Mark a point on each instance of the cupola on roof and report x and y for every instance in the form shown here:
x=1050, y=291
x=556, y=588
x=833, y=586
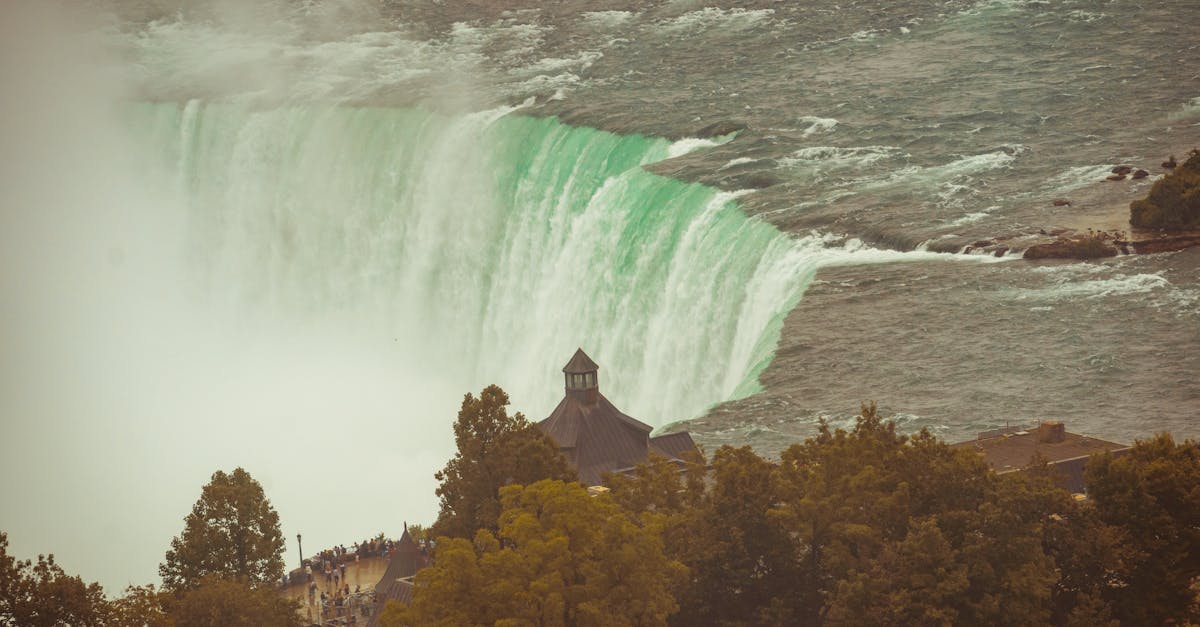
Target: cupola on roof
x=580, y=363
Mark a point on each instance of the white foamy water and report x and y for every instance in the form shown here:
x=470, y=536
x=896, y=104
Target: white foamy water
x=818, y=125
x=1076, y=177
x=715, y=17
x=1117, y=285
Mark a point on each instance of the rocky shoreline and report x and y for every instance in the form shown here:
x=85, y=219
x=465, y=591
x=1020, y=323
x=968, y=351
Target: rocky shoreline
x=1101, y=226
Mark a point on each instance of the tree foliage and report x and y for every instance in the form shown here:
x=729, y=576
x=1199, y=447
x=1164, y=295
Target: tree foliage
x=140, y=606
x=869, y=526
x=1153, y=494
x=494, y=450
x=232, y=532
x=218, y=601
x=561, y=557
x=1173, y=202
x=40, y=594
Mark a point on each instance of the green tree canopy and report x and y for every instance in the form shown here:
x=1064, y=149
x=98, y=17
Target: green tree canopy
x=38, y=594
x=561, y=557
x=494, y=450
x=232, y=532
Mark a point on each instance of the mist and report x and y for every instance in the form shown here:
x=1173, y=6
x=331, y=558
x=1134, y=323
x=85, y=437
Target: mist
x=129, y=378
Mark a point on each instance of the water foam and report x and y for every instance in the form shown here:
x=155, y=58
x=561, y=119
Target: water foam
x=1117, y=285
x=818, y=125
x=712, y=17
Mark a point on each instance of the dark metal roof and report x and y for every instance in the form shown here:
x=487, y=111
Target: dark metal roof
x=1015, y=448
x=580, y=363
x=400, y=590
x=673, y=445
x=1013, y=451
x=396, y=583
x=603, y=438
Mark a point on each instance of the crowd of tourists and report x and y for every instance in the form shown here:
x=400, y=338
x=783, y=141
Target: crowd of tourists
x=335, y=601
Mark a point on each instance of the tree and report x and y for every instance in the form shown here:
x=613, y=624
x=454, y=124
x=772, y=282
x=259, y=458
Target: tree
x=494, y=450
x=870, y=501
x=561, y=557
x=213, y=601
x=741, y=559
x=217, y=601
x=141, y=606
x=1173, y=202
x=232, y=532
x=41, y=594
x=1153, y=494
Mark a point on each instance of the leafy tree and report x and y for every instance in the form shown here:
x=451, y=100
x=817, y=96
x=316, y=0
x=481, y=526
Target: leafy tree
x=1173, y=202
x=657, y=485
x=218, y=601
x=494, y=450
x=232, y=532
x=741, y=559
x=561, y=557
x=141, y=606
x=868, y=501
x=41, y=594
x=914, y=582
x=1153, y=494
x=213, y=601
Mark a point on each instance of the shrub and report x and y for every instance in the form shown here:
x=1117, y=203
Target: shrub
x=1173, y=203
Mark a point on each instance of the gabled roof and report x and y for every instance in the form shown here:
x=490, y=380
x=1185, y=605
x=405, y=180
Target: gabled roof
x=580, y=363
x=603, y=438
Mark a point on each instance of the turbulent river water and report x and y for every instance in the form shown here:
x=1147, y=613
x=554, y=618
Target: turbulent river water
x=290, y=236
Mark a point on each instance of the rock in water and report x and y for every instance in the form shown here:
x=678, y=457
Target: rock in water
x=1140, y=174
x=1081, y=248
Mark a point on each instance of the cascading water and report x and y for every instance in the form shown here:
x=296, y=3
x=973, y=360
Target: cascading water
x=488, y=244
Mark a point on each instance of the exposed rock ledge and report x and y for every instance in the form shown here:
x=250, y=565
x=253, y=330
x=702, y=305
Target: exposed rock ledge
x=1100, y=244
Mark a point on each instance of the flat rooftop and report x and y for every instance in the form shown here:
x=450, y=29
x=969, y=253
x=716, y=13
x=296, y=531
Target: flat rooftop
x=1017, y=448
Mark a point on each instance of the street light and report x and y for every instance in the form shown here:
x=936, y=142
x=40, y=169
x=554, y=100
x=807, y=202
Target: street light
x=298, y=543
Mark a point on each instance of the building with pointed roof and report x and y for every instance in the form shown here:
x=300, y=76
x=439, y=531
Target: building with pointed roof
x=595, y=436
x=397, y=582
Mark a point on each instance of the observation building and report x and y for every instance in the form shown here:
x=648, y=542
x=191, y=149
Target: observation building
x=596, y=437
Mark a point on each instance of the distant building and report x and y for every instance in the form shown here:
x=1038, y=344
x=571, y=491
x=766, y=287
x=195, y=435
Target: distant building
x=1012, y=449
x=397, y=583
x=595, y=436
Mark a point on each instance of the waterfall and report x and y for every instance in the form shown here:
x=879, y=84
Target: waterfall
x=488, y=246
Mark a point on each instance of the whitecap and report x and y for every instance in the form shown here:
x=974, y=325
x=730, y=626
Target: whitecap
x=1190, y=109
x=1094, y=288
x=737, y=19
x=689, y=144
x=818, y=125
x=835, y=155
x=606, y=19
x=973, y=217
x=1076, y=177
x=736, y=162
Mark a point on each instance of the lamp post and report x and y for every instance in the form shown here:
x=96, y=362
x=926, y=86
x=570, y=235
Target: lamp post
x=301, y=545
